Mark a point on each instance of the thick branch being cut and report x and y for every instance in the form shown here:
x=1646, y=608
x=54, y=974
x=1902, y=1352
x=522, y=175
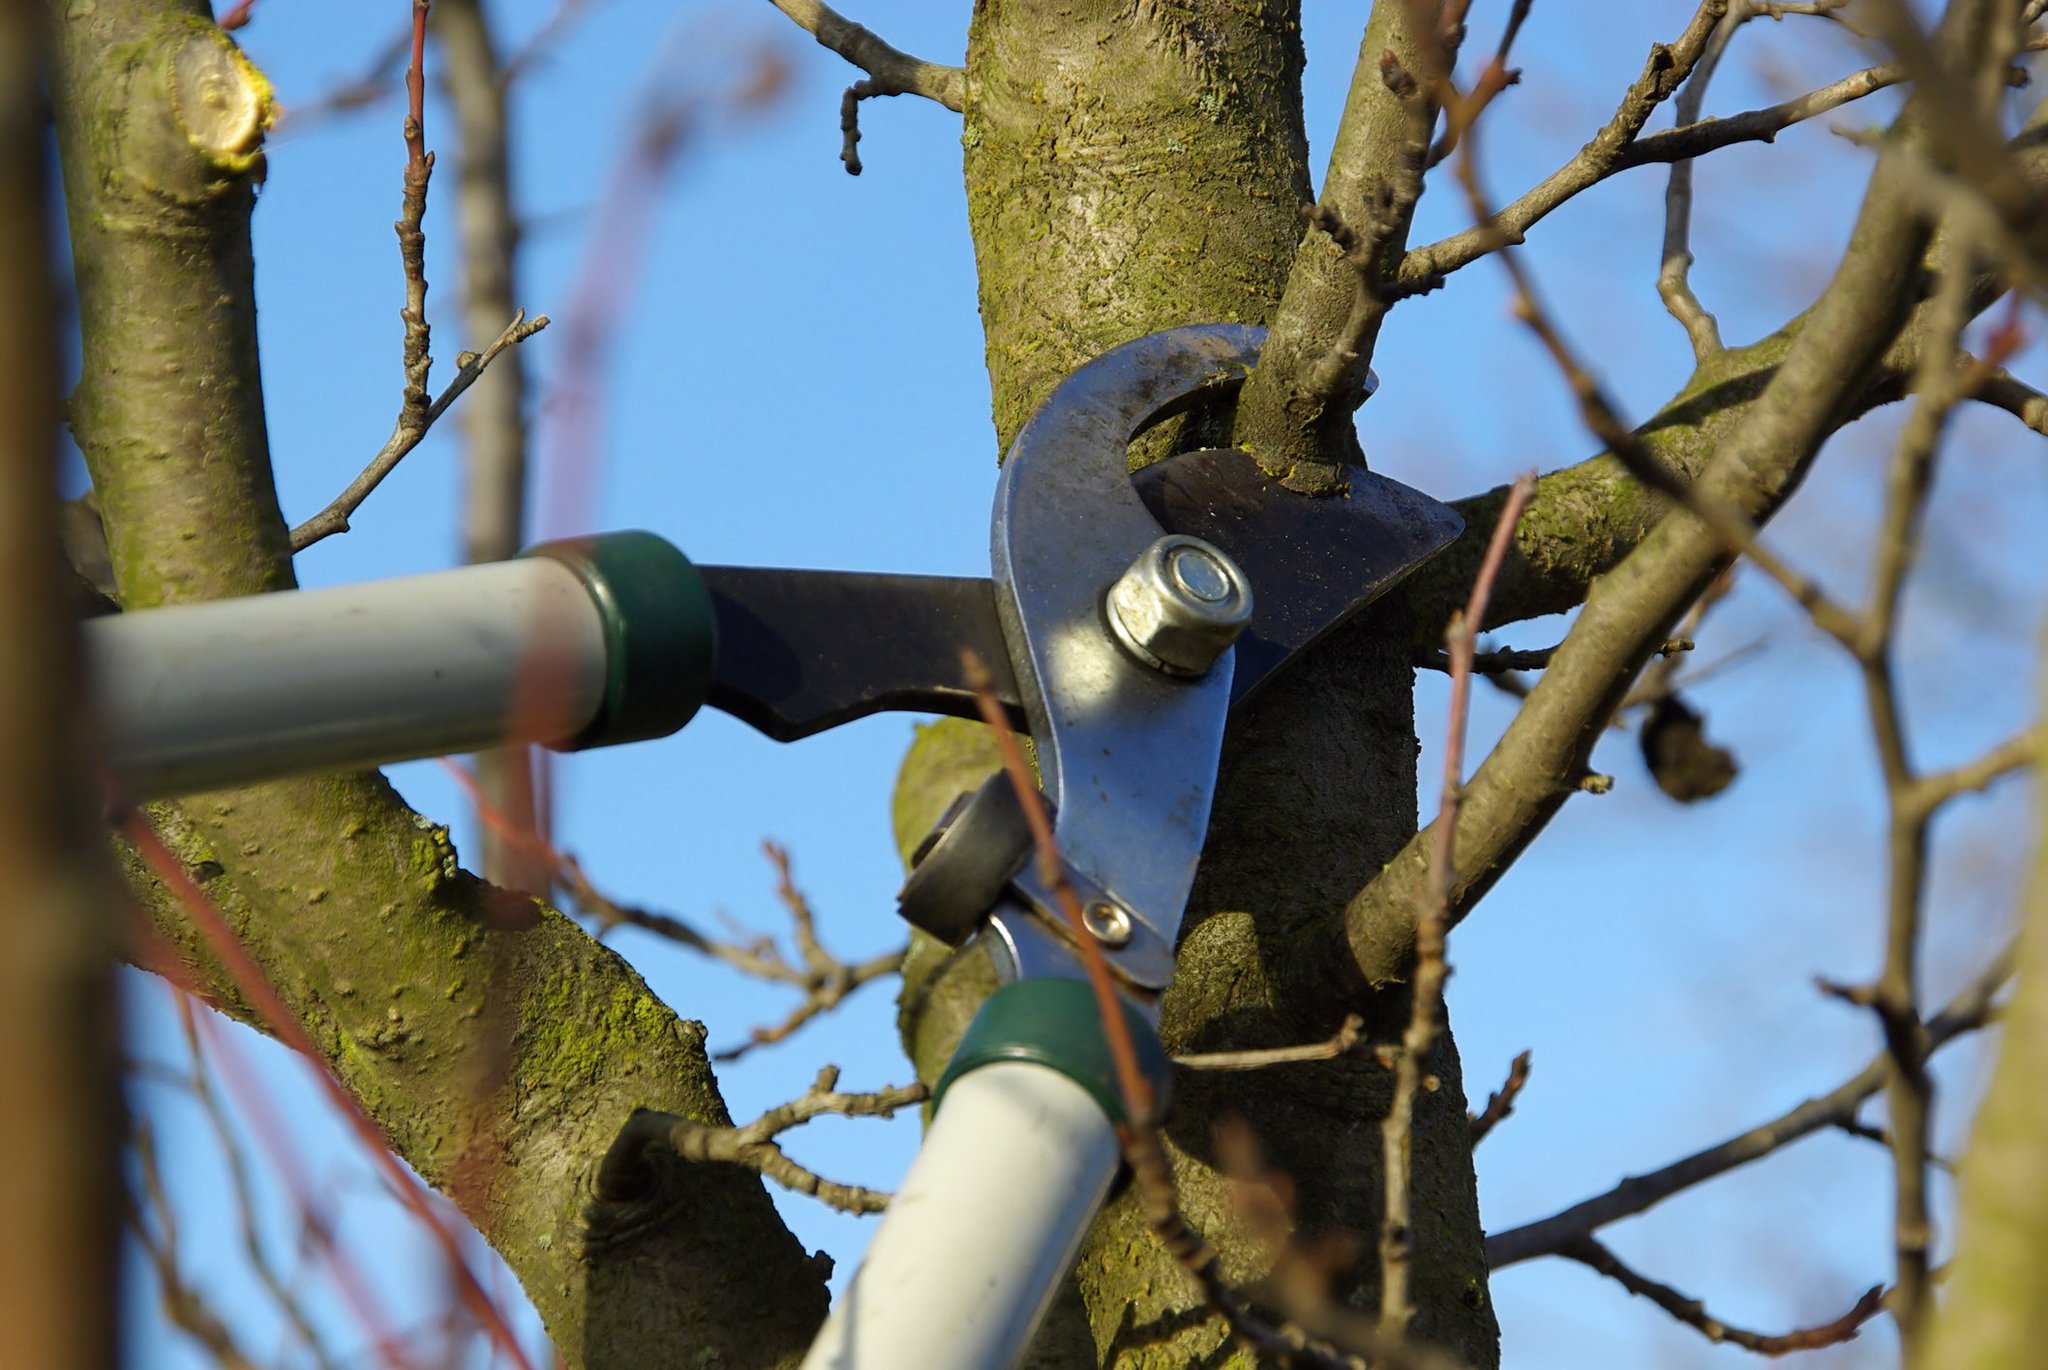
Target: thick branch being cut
x=1294, y=414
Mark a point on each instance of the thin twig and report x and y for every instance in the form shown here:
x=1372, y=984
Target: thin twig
x=1661, y=76
x=752, y=1145
x=412, y=238
x=826, y=981
x=1693, y=1314
x=889, y=71
x=1674, y=285
x=1432, y=926
x=404, y=437
x=229, y=1145
x=1500, y=1104
x=2016, y=753
x=2002, y=390
x=1342, y=1043
x=184, y=1306
x=1968, y=1011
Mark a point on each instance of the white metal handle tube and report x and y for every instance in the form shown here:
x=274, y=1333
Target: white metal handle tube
x=233, y=691
x=983, y=1229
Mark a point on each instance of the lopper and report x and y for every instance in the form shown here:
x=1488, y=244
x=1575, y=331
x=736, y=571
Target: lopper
x=1126, y=617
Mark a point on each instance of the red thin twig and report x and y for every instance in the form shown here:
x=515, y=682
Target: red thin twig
x=1136, y=1090
x=256, y=988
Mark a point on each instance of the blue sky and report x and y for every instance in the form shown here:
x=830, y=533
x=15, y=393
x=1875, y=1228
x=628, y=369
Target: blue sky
x=798, y=381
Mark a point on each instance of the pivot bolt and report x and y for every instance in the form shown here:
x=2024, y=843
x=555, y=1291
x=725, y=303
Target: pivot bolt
x=1180, y=605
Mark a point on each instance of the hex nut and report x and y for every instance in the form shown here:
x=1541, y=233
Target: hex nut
x=1180, y=605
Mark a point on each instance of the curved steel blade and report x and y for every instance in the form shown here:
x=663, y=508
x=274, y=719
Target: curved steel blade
x=1128, y=754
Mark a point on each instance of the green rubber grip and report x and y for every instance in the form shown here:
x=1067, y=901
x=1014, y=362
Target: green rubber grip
x=660, y=633
x=1056, y=1023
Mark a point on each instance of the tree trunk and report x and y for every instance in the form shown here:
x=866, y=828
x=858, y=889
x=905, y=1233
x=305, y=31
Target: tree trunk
x=1127, y=171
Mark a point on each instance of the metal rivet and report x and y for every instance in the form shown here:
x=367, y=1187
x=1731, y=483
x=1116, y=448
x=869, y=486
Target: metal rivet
x=1107, y=923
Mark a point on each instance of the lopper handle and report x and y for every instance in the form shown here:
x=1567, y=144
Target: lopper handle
x=984, y=1227
x=581, y=643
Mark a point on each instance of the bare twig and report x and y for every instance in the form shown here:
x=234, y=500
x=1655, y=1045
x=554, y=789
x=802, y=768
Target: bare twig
x=1432, y=927
x=1932, y=790
x=826, y=981
x=1496, y=77
x=157, y=1234
x=1697, y=138
x=1661, y=76
x=404, y=437
x=889, y=72
x=1343, y=1042
x=1693, y=1314
x=752, y=1145
x=417, y=411
x=2002, y=390
x=412, y=238
x=1500, y=1104
x=229, y=1146
x=1674, y=285
x=1968, y=1011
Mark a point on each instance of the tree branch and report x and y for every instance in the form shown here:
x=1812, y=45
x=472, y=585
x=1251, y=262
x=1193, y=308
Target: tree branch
x=1970, y=1010
x=889, y=71
x=406, y=435
x=1662, y=74
x=1588, y=1252
x=624, y=1176
x=1294, y=413
x=1500, y=1104
x=1632, y=609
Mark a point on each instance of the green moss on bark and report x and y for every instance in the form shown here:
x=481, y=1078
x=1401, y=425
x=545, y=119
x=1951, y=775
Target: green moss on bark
x=1126, y=172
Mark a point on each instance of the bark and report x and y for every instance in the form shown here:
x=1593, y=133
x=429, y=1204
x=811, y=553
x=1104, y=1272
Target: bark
x=61, y=1121
x=1295, y=429
x=1126, y=172
x=497, y=1045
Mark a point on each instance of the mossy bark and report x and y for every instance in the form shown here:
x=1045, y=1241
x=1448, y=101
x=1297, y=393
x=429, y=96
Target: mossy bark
x=1129, y=170
x=497, y=1046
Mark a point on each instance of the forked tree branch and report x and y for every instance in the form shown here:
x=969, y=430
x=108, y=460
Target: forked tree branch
x=624, y=1176
x=889, y=71
x=1970, y=1010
